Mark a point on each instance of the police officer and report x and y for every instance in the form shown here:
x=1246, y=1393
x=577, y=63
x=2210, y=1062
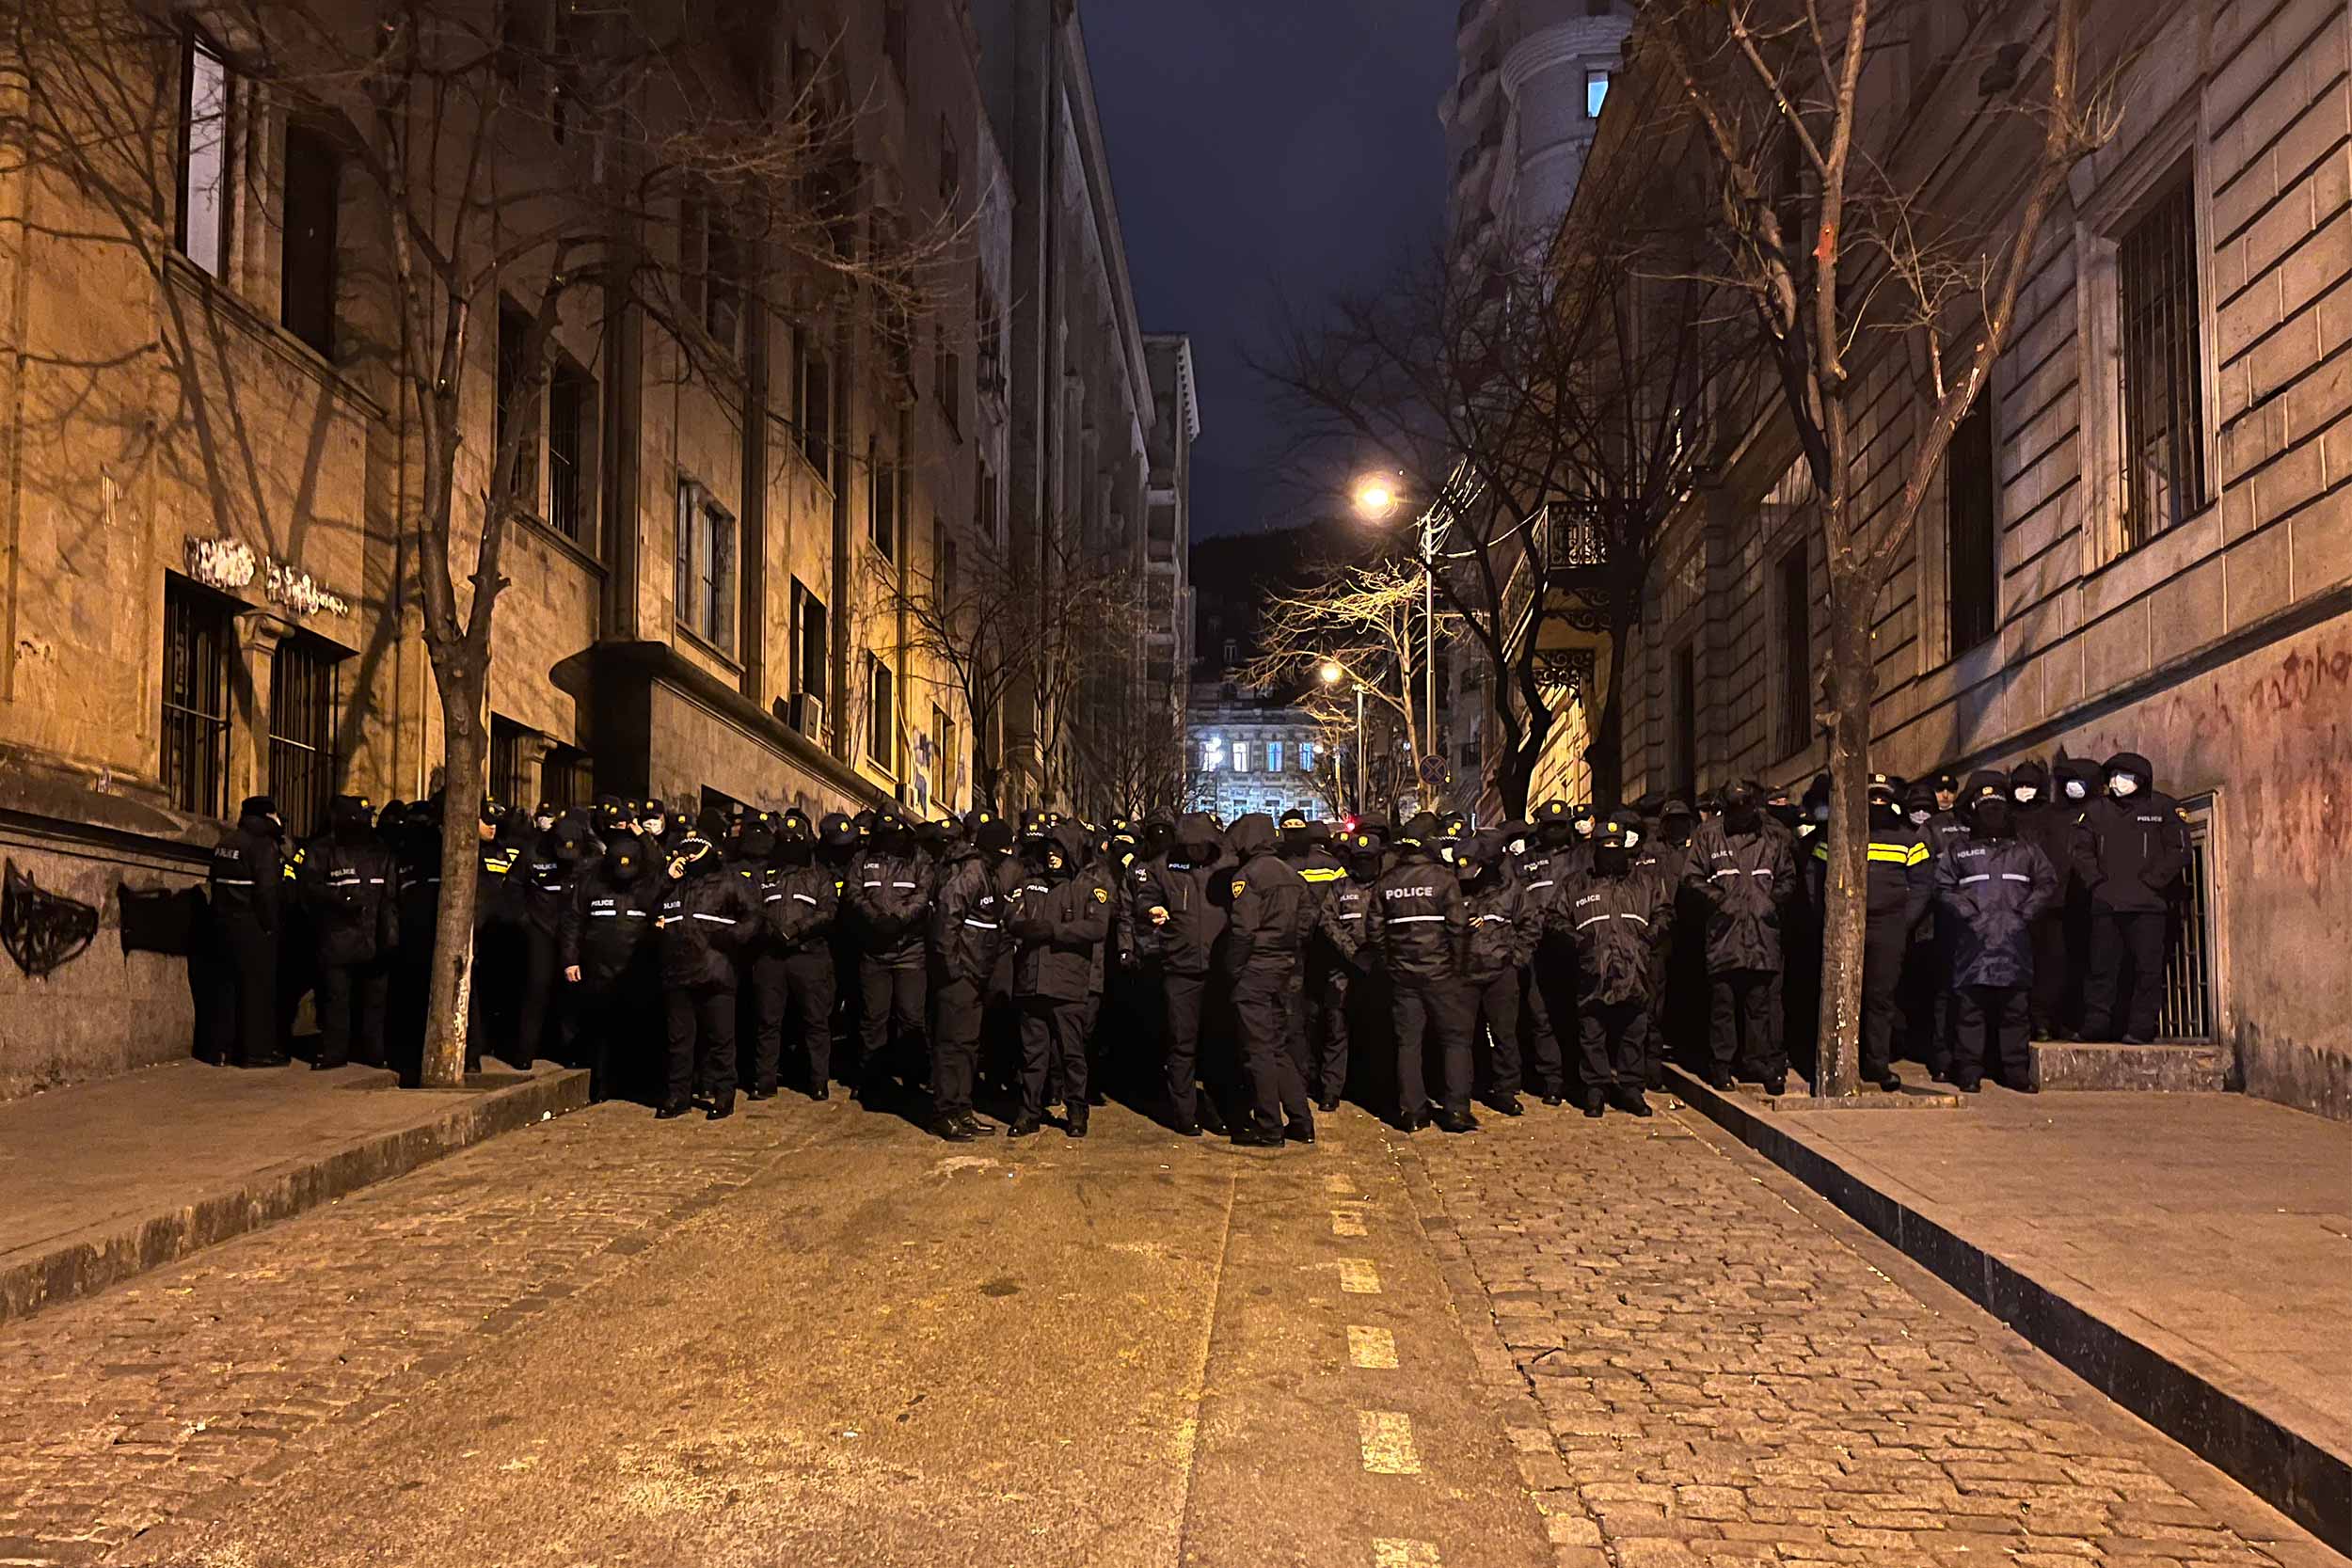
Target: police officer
x=1062, y=918
x=1744, y=873
x=1679, y=1005
x=1898, y=882
x=1415, y=928
x=352, y=886
x=889, y=901
x=1503, y=930
x=705, y=918
x=1271, y=911
x=1184, y=896
x=601, y=941
x=2129, y=848
x=2051, y=830
x=1306, y=847
x=1994, y=885
x=1339, y=934
x=761, y=988
x=1617, y=917
x=968, y=920
x=550, y=867
x=1553, y=854
x=496, y=984
x=246, y=883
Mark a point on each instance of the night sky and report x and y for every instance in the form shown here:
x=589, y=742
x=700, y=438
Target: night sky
x=1264, y=150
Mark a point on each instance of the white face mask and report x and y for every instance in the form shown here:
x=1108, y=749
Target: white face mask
x=1445, y=853
x=1919, y=818
x=2075, y=789
x=1633, y=839
x=1584, y=829
x=2123, y=785
x=1517, y=848
x=546, y=824
x=652, y=826
x=2026, y=794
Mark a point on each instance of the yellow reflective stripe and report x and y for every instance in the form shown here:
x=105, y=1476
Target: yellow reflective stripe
x=1322, y=873
x=1896, y=852
x=1918, y=854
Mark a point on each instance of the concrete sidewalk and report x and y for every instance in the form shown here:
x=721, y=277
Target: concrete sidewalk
x=2189, y=1254
x=103, y=1180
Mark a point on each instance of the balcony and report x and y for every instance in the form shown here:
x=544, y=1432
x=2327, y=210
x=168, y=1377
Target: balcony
x=1573, y=556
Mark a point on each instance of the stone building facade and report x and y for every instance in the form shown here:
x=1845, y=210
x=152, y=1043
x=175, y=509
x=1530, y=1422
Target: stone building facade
x=202, y=577
x=2166, y=571
x=1525, y=105
x=1252, y=753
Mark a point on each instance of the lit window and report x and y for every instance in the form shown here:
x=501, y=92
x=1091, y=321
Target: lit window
x=1273, y=756
x=1241, y=756
x=1305, y=757
x=1595, y=93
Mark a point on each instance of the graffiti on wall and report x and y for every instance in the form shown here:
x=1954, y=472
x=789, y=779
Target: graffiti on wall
x=42, y=931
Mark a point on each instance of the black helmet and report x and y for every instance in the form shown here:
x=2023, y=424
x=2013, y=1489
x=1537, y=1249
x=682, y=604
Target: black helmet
x=837, y=831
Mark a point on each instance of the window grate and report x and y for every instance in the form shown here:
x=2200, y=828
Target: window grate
x=2163, y=424
x=197, y=642
x=303, y=689
x=571, y=395
x=2185, y=1012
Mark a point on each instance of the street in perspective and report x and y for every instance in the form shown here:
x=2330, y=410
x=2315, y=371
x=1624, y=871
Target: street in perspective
x=1539, y=783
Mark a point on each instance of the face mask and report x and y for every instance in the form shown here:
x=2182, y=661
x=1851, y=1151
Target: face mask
x=1445, y=853
x=1820, y=813
x=1518, y=847
x=2076, y=789
x=653, y=826
x=1919, y=818
x=1742, y=819
x=1992, y=817
x=2123, y=785
x=545, y=824
x=2026, y=794
x=1584, y=829
x=1631, y=838
x=1611, y=860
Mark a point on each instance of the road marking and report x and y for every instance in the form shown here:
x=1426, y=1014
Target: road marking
x=1345, y=1222
x=1372, y=1348
x=1387, y=1436
x=1404, y=1554
x=1338, y=1185
x=1358, y=1277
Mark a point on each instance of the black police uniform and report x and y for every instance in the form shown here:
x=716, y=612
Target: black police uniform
x=1898, y=882
x=1340, y=936
x=1417, y=926
x=706, y=916
x=1272, y=910
x=2042, y=824
x=1617, y=917
x=352, y=885
x=601, y=939
x=552, y=866
x=1548, y=1020
x=1503, y=928
x=889, y=901
x=1744, y=868
x=1678, y=1003
x=1184, y=898
x=1994, y=885
x=247, y=884
x=2129, y=850
x=968, y=918
x=1061, y=920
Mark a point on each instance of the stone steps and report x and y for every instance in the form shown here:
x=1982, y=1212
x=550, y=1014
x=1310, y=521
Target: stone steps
x=2185, y=1066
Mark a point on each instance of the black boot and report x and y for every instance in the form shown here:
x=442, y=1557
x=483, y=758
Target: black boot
x=1631, y=1102
x=1023, y=1125
x=671, y=1111
x=950, y=1129
x=1506, y=1105
x=1456, y=1121
x=1593, y=1101
x=1074, y=1123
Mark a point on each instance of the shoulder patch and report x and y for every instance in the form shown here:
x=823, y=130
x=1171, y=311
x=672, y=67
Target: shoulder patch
x=1241, y=886
x=1102, y=895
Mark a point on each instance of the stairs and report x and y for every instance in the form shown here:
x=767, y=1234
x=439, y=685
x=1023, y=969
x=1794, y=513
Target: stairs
x=2183, y=1067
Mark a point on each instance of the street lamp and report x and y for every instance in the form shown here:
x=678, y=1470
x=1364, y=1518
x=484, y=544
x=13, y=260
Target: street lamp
x=1377, y=497
x=1332, y=674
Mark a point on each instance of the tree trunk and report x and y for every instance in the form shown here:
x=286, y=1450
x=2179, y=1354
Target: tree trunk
x=1849, y=687
x=449, y=992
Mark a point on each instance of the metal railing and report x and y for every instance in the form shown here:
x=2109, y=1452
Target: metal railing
x=2186, y=1011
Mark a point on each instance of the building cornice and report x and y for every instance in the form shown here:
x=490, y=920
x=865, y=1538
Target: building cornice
x=1591, y=37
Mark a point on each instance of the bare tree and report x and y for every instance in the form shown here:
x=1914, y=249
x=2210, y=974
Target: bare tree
x=1134, y=761
x=1821, y=220
x=516, y=166
x=1365, y=622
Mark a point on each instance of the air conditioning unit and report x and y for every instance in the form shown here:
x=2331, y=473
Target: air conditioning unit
x=808, y=715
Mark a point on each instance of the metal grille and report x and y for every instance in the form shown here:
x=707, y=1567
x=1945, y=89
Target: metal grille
x=302, y=697
x=196, y=699
x=2164, y=423
x=570, y=398
x=2187, y=1012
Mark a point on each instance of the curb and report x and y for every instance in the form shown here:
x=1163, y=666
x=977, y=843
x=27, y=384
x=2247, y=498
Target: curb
x=130, y=1246
x=2310, y=1484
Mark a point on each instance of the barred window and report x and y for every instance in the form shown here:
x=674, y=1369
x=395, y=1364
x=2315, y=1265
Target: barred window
x=2164, y=421
x=303, y=690
x=199, y=634
x=506, y=764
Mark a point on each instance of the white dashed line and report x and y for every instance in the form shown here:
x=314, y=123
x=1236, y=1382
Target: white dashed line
x=1358, y=1277
x=1339, y=1186
x=1404, y=1554
x=1387, y=1436
x=1346, y=1223
x=1372, y=1348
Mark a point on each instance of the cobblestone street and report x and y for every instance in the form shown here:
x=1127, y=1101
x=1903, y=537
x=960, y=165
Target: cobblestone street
x=808, y=1335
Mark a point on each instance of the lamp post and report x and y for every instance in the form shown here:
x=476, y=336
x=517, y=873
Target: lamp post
x=1332, y=674
x=1377, y=497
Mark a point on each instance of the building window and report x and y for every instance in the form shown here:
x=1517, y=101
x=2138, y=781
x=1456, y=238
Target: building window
x=722, y=282
x=881, y=716
x=1241, y=756
x=1595, y=93
x=208, y=94
x=2164, y=419
x=1305, y=757
x=1971, y=530
x=515, y=376
x=1686, y=723
x=507, y=784
x=1233, y=653
x=882, y=502
x=951, y=166
x=942, y=565
x=1796, y=652
x=1210, y=755
x=1273, y=756
x=984, y=483
x=813, y=647
x=199, y=635
x=566, y=778
x=571, y=440
x=816, y=407
x=302, y=708
x=706, y=567
x=309, y=248
x=947, y=379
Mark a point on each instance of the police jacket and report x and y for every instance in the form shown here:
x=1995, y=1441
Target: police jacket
x=1745, y=880
x=2129, y=850
x=1419, y=919
x=2050, y=829
x=968, y=920
x=1945, y=830
x=498, y=898
x=1340, y=922
x=1132, y=928
x=1270, y=909
x=1319, y=868
x=1545, y=867
x=1618, y=926
x=1101, y=884
x=1994, y=889
x=351, y=887
x=606, y=922
x=1193, y=887
x=799, y=907
x=1898, y=879
x=1503, y=926
x=248, y=873
x=1061, y=920
x=548, y=870
x=704, y=917
x=889, y=897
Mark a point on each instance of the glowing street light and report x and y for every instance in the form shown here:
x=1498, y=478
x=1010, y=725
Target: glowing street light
x=1376, y=497
x=1332, y=674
